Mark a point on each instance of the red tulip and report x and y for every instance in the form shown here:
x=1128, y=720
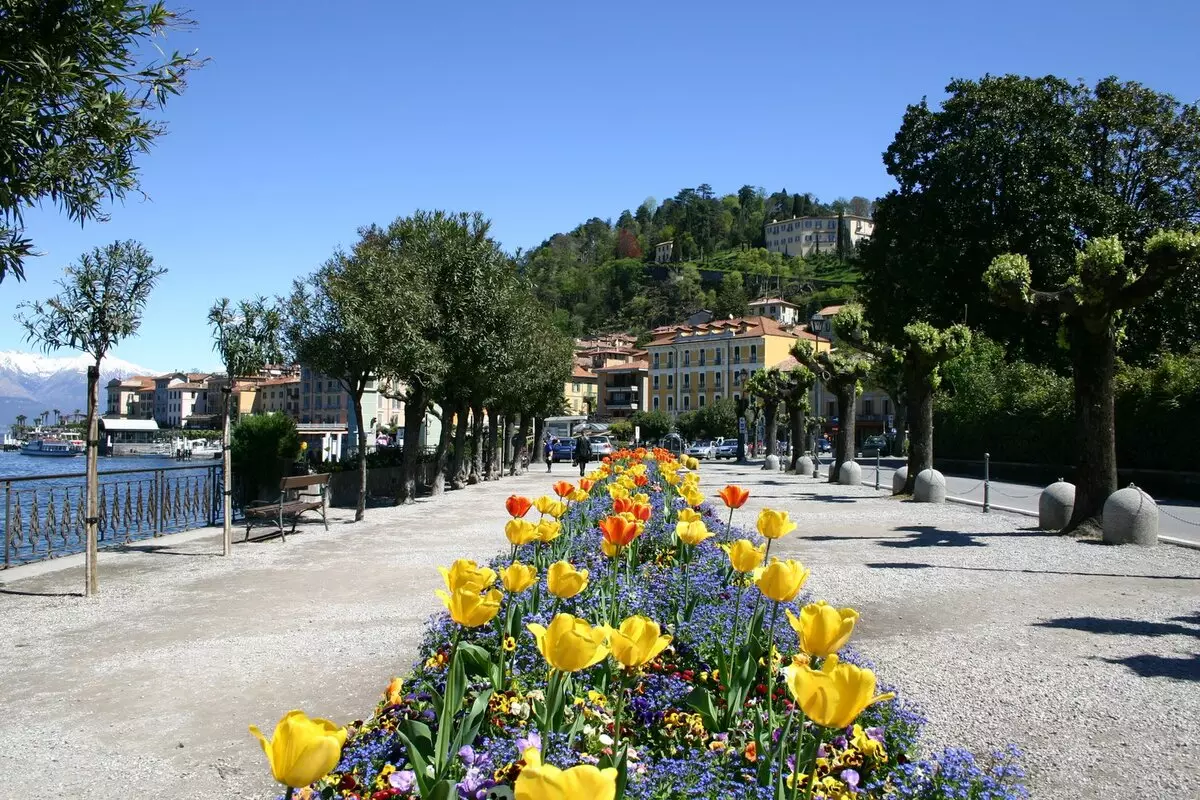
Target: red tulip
x=518, y=506
x=734, y=496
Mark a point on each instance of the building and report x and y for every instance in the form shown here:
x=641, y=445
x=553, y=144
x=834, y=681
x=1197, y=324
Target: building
x=821, y=323
x=803, y=236
x=622, y=389
x=124, y=437
x=663, y=250
x=185, y=400
x=776, y=308
x=692, y=366
x=279, y=395
x=127, y=396
x=581, y=391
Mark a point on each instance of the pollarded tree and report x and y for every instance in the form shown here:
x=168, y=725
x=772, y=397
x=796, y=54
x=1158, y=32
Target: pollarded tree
x=100, y=304
x=920, y=349
x=1104, y=286
x=798, y=382
x=771, y=389
x=81, y=95
x=842, y=372
x=247, y=338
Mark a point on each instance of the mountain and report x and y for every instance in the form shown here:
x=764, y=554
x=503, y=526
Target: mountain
x=31, y=383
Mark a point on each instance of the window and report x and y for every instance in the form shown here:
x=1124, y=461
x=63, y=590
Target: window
x=868, y=406
x=687, y=358
x=702, y=401
x=736, y=397
x=808, y=223
x=789, y=227
x=655, y=381
x=808, y=237
x=575, y=387
x=886, y=409
x=687, y=402
x=737, y=355
x=716, y=398
x=717, y=379
x=656, y=404
x=670, y=404
x=857, y=226
x=753, y=353
x=317, y=402
x=670, y=381
x=670, y=359
x=703, y=353
x=656, y=360
x=717, y=357
x=701, y=384
x=832, y=409
x=687, y=380
x=832, y=224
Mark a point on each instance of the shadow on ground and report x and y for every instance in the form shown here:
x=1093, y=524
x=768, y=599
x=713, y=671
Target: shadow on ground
x=1152, y=666
x=919, y=565
x=1120, y=627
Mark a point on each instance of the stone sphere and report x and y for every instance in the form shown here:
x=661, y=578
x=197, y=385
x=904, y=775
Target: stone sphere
x=1055, y=506
x=1130, y=517
x=850, y=473
x=930, y=487
x=771, y=463
x=899, y=478
x=804, y=466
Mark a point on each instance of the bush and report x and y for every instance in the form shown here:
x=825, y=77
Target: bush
x=263, y=446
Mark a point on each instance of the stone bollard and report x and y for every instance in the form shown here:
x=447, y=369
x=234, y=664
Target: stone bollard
x=771, y=464
x=850, y=474
x=804, y=466
x=930, y=487
x=899, y=478
x=1130, y=517
x=1055, y=505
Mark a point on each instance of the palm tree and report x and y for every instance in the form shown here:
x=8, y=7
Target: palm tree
x=42, y=420
x=21, y=422
x=57, y=418
x=78, y=415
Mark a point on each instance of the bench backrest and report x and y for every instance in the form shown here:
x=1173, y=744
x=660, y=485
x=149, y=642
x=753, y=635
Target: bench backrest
x=300, y=481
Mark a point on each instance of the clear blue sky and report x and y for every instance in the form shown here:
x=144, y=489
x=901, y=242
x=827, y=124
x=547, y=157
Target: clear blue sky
x=314, y=118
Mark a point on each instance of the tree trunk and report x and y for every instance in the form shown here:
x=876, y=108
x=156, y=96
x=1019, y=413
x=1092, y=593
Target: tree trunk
x=1093, y=357
x=458, y=465
x=227, y=465
x=91, y=579
x=360, y=510
x=796, y=434
x=741, y=446
x=770, y=436
x=495, y=445
x=414, y=413
x=844, y=450
x=539, y=431
x=477, y=444
x=509, y=448
x=901, y=427
x=437, y=485
x=920, y=452
x=519, y=448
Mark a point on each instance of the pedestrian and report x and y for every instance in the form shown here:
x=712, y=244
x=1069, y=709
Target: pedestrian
x=583, y=453
x=548, y=450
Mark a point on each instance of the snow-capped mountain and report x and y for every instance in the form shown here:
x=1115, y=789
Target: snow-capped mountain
x=31, y=383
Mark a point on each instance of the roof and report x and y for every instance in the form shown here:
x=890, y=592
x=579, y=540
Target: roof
x=113, y=425
x=779, y=301
x=195, y=377
x=829, y=311
x=628, y=366
x=816, y=216
x=582, y=372
x=280, y=381
x=740, y=328
x=190, y=386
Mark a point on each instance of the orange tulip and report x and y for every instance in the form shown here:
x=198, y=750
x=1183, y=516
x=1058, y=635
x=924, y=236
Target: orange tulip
x=641, y=480
x=641, y=511
x=586, y=484
x=563, y=488
x=622, y=505
x=518, y=506
x=734, y=496
x=618, y=530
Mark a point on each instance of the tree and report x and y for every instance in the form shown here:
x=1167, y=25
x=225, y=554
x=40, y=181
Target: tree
x=919, y=352
x=1106, y=282
x=80, y=100
x=860, y=206
x=246, y=337
x=100, y=304
x=652, y=425
x=798, y=382
x=717, y=419
x=732, y=299
x=841, y=371
x=259, y=447
x=21, y=419
x=770, y=387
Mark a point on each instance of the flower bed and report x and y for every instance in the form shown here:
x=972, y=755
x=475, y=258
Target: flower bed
x=669, y=689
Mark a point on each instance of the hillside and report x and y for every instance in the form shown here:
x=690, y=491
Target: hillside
x=31, y=383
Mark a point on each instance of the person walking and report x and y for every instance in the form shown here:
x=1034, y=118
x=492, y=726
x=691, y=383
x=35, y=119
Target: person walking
x=583, y=453
x=548, y=451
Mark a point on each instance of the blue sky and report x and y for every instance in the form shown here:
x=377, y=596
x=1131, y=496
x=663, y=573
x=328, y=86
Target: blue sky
x=314, y=118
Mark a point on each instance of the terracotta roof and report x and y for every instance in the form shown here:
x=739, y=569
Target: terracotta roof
x=634, y=365
x=280, y=381
x=191, y=386
x=196, y=377
x=829, y=311
x=741, y=328
x=582, y=372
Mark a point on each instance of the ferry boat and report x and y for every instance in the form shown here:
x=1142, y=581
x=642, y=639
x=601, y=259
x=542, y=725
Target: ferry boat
x=49, y=447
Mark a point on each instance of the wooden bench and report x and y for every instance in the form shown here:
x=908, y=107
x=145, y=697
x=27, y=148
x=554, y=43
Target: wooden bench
x=297, y=495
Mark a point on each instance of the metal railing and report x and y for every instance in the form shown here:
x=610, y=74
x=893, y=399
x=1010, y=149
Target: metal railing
x=44, y=514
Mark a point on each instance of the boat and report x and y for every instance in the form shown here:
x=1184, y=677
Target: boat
x=49, y=447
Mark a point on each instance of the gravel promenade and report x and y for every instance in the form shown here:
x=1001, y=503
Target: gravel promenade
x=1085, y=656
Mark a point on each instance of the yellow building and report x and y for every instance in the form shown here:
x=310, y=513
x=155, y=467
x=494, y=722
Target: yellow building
x=581, y=391
x=692, y=366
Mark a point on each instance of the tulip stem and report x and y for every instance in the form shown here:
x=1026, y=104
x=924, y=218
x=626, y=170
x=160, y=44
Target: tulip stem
x=766, y=562
x=288, y=794
x=799, y=749
x=812, y=778
x=771, y=667
x=729, y=525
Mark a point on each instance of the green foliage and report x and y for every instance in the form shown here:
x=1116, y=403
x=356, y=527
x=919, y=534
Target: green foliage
x=247, y=336
x=81, y=91
x=263, y=446
x=731, y=300
x=653, y=425
x=621, y=430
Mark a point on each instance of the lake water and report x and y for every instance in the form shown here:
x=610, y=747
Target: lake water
x=15, y=465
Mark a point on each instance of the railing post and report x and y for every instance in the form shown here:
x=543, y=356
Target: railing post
x=987, y=489
x=877, y=470
x=7, y=522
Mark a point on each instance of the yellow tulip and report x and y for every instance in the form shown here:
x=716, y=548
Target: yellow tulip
x=781, y=580
x=548, y=530
x=578, y=496
x=544, y=503
x=558, y=509
x=672, y=478
x=692, y=533
x=565, y=581
x=774, y=524
x=610, y=549
x=520, y=531
x=693, y=497
x=469, y=608
x=539, y=781
x=744, y=556
x=518, y=577
x=302, y=750
x=465, y=572
x=570, y=644
x=637, y=642
x=689, y=515
x=823, y=629
x=641, y=499
x=834, y=695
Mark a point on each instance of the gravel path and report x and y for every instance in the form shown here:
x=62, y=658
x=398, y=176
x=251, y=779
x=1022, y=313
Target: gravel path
x=1086, y=656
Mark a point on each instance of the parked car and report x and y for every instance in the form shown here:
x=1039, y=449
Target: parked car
x=702, y=450
x=875, y=446
x=563, y=451
x=725, y=448
x=601, y=446
x=824, y=446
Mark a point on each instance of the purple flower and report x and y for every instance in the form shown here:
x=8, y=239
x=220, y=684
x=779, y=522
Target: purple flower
x=404, y=780
x=534, y=740
x=850, y=778
x=840, y=742
x=467, y=754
